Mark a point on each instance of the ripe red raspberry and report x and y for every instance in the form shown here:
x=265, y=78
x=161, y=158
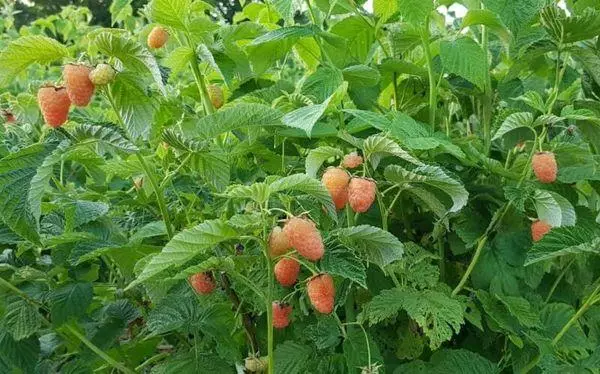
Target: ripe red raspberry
x=216, y=95
x=9, y=117
x=54, y=103
x=336, y=181
x=79, y=86
x=352, y=160
x=157, y=37
x=102, y=74
x=539, y=229
x=361, y=194
x=278, y=242
x=281, y=314
x=321, y=293
x=202, y=283
x=305, y=238
x=544, y=167
x=286, y=271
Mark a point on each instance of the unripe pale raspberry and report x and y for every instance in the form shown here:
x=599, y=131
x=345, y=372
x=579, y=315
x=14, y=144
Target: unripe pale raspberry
x=286, y=271
x=544, y=167
x=321, y=292
x=336, y=181
x=157, y=37
x=202, y=283
x=54, y=103
x=352, y=160
x=361, y=194
x=216, y=95
x=304, y=237
x=539, y=229
x=256, y=364
x=102, y=74
x=79, y=86
x=281, y=314
x=278, y=242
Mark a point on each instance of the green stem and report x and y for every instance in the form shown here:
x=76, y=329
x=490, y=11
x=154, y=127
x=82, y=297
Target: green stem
x=162, y=206
x=487, y=95
x=591, y=300
x=199, y=78
x=152, y=360
x=474, y=260
x=109, y=360
x=269, y=296
x=349, y=307
x=432, y=82
x=558, y=279
x=349, y=216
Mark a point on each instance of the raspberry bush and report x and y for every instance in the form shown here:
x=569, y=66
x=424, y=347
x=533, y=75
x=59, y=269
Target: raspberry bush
x=301, y=187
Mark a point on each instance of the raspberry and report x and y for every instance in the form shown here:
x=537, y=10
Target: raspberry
x=216, y=95
x=54, y=103
x=305, y=238
x=321, y=293
x=9, y=117
x=286, y=271
x=278, y=242
x=544, y=167
x=539, y=229
x=102, y=74
x=79, y=86
x=202, y=283
x=352, y=160
x=157, y=37
x=361, y=194
x=336, y=181
x=281, y=314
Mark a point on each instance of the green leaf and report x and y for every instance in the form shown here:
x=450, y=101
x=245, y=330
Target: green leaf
x=376, y=245
x=185, y=246
x=513, y=122
x=306, y=117
x=258, y=192
x=516, y=15
x=344, y=264
x=179, y=59
x=361, y=76
x=291, y=357
x=385, y=9
x=22, y=319
x=105, y=134
x=285, y=33
x=232, y=118
x=415, y=11
x=573, y=28
x=26, y=50
x=131, y=54
x=489, y=19
x=150, y=230
x=172, y=13
x=22, y=354
x=521, y=309
x=316, y=157
x=17, y=171
x=307, y=185
x=70, y=301
x=439, y=315
x=562, y=241
x=119, y=11
x=465, y=58
x=134, y=106
x=359, y=348
x=430, y=176
x=214, y=167
x=322, y=83
x=325, y=333
x=554, y=209
x=377, y=147
x=450, y=361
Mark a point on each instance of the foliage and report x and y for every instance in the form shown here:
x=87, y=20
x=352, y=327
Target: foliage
x=104, y=220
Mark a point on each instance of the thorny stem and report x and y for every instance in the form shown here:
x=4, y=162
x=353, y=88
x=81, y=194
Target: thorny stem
x=269, y=296
x=487, y=95
x=432, y=82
